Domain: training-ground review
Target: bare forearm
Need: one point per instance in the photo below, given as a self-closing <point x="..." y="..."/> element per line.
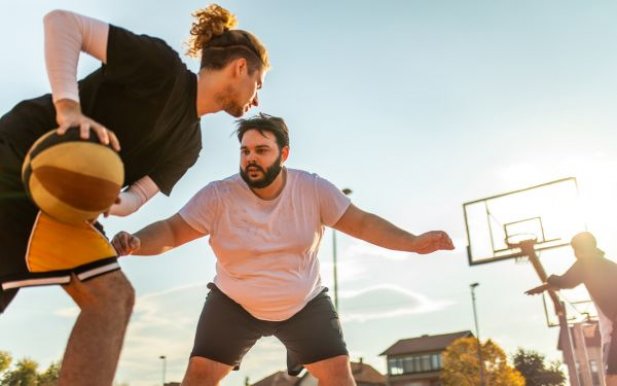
<point x="376" y="230"/>
<point x="155" y="239"/>
<point x="383" y="233"/>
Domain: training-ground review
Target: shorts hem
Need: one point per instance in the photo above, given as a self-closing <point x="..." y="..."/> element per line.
<point x="83" y="273"/>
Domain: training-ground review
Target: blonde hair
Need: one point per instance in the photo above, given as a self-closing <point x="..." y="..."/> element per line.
<point x="212" y="37"/>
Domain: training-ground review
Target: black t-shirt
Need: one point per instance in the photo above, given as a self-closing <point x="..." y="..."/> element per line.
<point x="599" y="276"/>
<point x="144" y="94"/>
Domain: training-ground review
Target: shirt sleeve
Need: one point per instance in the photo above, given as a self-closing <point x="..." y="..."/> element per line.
<point x="573" y="277"/>
<point x="138" y="59"/>
<point x="66" y="35"/>
<point x="332" y="202"/>
<point x="200" y="211"/>
<point x="172" y="167"/>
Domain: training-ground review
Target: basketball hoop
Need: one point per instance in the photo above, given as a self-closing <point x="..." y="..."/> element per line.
<point x="521" y="240"/>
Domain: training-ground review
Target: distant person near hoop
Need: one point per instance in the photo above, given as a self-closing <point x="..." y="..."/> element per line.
<point x="265" y="226"/>
<point x="143" y="101"/>
<point x="599" y="275"/>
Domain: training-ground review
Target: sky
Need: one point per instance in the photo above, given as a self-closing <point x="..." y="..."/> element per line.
<point x="418" y="106"/>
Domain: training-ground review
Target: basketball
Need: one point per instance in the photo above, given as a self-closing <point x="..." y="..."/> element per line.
<point x="72" y="179"/>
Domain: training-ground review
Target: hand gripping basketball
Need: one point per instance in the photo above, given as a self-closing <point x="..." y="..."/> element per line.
<point x="71" y="179"/>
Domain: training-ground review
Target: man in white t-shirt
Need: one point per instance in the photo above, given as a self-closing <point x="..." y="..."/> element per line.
<point x="265" y="226"/>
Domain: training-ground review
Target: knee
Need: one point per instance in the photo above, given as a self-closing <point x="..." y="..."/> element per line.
<point x="124" y="298"/>
<point x="110" y="294"/>
<point x="203" y="371"/>
<point x="331" y="370"/>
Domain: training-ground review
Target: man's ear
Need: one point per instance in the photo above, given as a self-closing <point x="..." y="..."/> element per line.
<point x="239" y="67"/>
<point x="284" y="153"/>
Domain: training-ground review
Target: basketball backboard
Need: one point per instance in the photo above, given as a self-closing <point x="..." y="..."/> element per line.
<point x="549" y="212"/>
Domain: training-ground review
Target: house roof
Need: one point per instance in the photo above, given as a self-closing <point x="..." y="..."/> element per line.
<point x="362" y="373"/>
<point x="280" y="378"/>
<point x="425" y="343"/>
<point x="591" y="332"/>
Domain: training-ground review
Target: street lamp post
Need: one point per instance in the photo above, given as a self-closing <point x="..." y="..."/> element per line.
<point x="164" y="359"/>
<point x="473" y="286"/>
<point x="345" y="191"/>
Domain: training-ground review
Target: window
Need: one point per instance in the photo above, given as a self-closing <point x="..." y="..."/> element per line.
<point x="436" y="361"/>
<point x="414" y="364"/>
<point x="395" y="366"/>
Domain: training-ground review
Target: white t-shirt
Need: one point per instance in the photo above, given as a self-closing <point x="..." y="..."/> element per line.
<point x="267" y="250"/>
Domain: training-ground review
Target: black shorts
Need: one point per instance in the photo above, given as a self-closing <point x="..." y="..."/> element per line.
<point x="226" y="332"/>
<point x="54" y="252"/>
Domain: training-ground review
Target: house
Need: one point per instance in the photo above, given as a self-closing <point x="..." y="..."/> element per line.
<point x="585" y="338"/>
<point x="364" y="374"/>
<point x="417" y="361"/>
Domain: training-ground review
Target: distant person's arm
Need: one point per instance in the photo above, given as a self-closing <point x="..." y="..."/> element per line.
<point x="66" y="35"/>
<point x="570" y="279"/>
<point x="541" y="288"/>
<point x="156" y="238"/>
<point x="376" y="230"/>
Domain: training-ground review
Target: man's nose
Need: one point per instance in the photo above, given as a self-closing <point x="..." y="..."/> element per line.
<point x="255" y="101"/>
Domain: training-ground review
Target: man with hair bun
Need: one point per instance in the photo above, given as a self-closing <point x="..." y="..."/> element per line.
<point x="265" y="226"/>
<point x="146" y="104"/>
<point x="599" y="275"/>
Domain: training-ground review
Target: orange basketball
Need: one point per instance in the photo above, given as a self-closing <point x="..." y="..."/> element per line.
<point x="72" y="179"/>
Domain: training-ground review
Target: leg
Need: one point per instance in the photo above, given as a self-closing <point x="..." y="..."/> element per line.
<point x="313" y="337"/>
<point x="205" y="372"/>
<point x="332" y="372"/>
<point x="93" y="350"/>
<point x="225" y="332"/>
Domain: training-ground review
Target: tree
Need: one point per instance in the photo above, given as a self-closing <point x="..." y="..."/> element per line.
<point x="533" y="367"/>
<point x="50" y="376"/>
<point x="24" y="374"/>
<point x="461" y="365"/>
<point x="5" y="361"/>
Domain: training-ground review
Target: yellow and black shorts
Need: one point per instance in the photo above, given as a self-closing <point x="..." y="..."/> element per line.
<point x="37" y="250"/>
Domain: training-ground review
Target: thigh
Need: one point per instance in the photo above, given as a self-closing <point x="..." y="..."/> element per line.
<point x="203" y="371"/>
<point x="107" y="291"/>
<point x="332" y="371"/>
<point x="17" y="215"/>
<point x="225" y="330"/>
<point x="314" y="333"/>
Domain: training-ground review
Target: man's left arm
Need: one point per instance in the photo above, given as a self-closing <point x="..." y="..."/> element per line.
<point x="376" y="230"/>
<point x="570" y="279"/>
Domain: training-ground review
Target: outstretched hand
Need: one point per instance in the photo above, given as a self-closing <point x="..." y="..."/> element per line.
<point x="432" y="241"/>
<point x="125" y="243"/>
<point x="538" y="290"/>
<point x="68" y="114"/>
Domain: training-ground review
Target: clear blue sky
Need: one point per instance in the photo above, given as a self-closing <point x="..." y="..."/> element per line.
<point x="417" y="106"/>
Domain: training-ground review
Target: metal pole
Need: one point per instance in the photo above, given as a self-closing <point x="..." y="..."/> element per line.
<point x="581" y="354"/>
<point x="475" y="318"/>
<point x="346" y="192"/>
<point x="527" y="249"/>
<point x="164" y="359"/>
<point x="568" y="348"/>
<point x="335" y="270"/>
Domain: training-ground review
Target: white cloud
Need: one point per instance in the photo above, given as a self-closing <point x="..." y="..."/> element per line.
<point x="386" y="301"/>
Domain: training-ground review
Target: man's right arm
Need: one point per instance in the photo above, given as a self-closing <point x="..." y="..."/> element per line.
<point x="156" y="238"/>
<point x="66" y="35"/>
<point x="570" y="279"/>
